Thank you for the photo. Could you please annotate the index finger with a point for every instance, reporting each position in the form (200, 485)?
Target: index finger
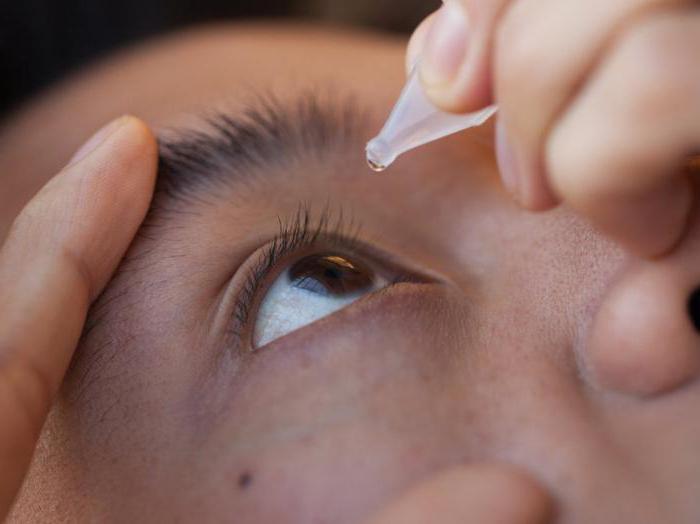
(60, 253)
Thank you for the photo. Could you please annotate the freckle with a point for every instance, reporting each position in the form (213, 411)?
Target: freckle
(245, 480)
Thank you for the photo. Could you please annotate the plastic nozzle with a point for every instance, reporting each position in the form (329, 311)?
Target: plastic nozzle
(415, 121)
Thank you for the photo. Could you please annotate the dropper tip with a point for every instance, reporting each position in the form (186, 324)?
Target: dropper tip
(379, 155)
(374, 166)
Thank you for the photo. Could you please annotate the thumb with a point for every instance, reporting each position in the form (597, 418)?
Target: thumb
(456, 52)
(60, 253)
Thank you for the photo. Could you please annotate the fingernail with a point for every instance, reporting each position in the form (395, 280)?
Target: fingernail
(694, 309)
(446, 45)
(507, 162)
(96, 140)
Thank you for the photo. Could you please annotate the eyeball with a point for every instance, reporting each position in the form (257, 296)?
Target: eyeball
(310, 289)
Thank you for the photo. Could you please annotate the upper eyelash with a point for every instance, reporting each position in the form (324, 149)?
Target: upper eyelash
(295, 233)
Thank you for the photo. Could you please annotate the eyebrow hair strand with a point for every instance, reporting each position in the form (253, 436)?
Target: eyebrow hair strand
(268, 133)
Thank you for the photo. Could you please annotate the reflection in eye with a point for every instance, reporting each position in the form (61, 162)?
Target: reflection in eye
(310, 289)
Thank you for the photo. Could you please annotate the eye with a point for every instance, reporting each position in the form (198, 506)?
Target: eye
(311, 288)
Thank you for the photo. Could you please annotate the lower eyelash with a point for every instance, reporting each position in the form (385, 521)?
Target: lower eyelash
(295, 233)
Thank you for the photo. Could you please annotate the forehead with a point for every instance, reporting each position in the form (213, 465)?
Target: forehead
(167, 80)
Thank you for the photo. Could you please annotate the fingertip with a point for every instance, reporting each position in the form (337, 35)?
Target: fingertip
(485, 493)
(519, 497)
(125, 163)
(417, 42)
(455, 65)
(141, 147)
(524, 180)
(470, 91)
(137, 138)
(459, 98)
(105, 196)
(140, 130)
(536, 194)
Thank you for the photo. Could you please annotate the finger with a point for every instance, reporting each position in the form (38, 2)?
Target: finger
(487, 494)
(617, 154)
(58, 256)
(544, 51)
(456, 59)
(417, 42)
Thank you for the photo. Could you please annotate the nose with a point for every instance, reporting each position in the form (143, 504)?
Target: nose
(518, 396)
(646, 337)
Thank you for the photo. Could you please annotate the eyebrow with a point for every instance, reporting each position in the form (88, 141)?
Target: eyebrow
(267, 134)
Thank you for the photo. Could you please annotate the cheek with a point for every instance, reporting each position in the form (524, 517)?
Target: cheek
(338, 474)
(333, 420)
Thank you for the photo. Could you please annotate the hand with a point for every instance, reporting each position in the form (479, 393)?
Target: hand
(483, 493)
(59, 255)
(599, 103)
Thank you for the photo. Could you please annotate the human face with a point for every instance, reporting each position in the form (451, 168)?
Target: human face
(292, 338)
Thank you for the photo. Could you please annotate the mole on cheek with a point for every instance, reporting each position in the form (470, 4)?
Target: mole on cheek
(245, 480)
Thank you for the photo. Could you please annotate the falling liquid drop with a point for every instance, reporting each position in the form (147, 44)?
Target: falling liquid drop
(375, 166)
(379, 155)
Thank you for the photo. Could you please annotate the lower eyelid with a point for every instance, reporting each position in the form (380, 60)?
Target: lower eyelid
(369, 310)
(270, 324)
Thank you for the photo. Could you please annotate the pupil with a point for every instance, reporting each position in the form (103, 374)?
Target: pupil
(331, 275)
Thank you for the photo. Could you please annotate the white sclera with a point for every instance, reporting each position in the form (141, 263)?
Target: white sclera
(286, 308)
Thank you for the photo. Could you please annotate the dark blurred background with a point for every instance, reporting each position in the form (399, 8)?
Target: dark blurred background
(43, 40)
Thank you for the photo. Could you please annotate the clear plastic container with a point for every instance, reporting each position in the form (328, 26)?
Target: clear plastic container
(415, 121)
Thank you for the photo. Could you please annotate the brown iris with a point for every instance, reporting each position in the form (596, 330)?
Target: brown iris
(331, 275)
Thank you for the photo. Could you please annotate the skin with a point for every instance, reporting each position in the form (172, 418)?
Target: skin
(598, 104)
(67, 242)
(525, 380)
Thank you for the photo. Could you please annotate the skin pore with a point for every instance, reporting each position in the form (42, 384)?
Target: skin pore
(501, 335)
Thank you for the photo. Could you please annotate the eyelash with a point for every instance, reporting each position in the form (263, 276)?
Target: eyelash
(295, 234)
